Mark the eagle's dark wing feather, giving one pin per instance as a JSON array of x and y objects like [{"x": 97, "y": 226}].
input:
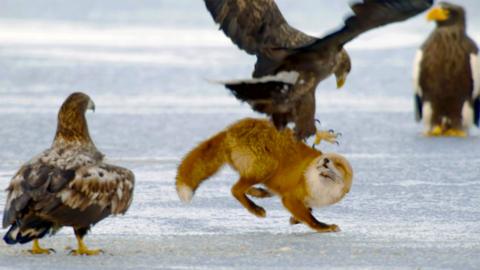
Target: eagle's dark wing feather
[
  {"x": 370, "y": 14},
  {"x": 102, "y": 184},
  {"x": 418, "y": 107},
  {"x": 476, "y": 111},
  {"x": 256, "y": 26},
  {"x": 474, "y": 55},
  {"x": 32, "y": 188},
  {"x": 31, "y": 195},
  {"x": 49, "y": 192}
]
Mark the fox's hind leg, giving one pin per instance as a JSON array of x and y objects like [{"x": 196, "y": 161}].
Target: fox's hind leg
[
  {"x": 294, "y": 221},
  {"x": 239, "y": 191},
  {"x": 259, "y": 192},
  {"x": 302, "y": 213}
]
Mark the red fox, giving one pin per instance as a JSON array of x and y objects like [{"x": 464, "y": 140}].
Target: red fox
[{"x": 304, "y": 178}]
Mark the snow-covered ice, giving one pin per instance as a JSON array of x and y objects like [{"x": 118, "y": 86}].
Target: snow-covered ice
[{"x": 414, "y": 203}]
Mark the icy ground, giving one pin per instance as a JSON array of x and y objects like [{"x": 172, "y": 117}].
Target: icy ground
[{"x": 414, "y": 202}]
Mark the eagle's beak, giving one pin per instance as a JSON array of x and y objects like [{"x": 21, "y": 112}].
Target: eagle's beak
[
  {"x": 341, "y": 80},
  {"x": 438, "y": 14},
  {"x": 91, "y": 105}
]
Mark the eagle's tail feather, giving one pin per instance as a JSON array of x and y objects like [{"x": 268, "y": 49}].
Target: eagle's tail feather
[
  {"x": 34, "y": 230},
  {"x": 264, "y": 88}
]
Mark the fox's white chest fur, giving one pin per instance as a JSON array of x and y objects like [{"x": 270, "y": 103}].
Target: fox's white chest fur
[{"x": 325, "y": 184}]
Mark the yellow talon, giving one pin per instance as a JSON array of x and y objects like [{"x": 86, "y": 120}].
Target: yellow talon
[
  {"x": 439, "y": 131},
  {"x": 456, "y": 133},
  {"x": 37, "y": 249},
  {"x": 436, "y": 131},
  {"x": 328, "y": 136},
  {"x": 83, "y": 249}
]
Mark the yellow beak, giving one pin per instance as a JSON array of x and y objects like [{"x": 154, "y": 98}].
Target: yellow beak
[
  {"x": 438, "y": 14},
  {"x": 341, "y": 81}
]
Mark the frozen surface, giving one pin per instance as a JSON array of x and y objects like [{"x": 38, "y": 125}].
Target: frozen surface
[{"x": 414, "y": 203}]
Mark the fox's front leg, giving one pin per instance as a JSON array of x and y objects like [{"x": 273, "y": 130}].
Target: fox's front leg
[
  {"x": 302, "y": 213},
  {"x": 239, "y": 191}
]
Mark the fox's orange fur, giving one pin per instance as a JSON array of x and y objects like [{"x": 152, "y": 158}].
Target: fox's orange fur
[{"x": 303, "y": 177}]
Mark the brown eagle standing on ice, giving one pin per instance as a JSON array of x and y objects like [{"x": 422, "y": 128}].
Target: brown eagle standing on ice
[
  {"x": 66, "y": 185},
  {"x": 447, "y": 75},
  {"x": 290, "y": 64}
]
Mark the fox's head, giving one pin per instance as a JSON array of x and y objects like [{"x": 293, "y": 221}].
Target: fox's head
[
  {"x": 340, "y": 166},
  {"x": 328, "y": 178}
]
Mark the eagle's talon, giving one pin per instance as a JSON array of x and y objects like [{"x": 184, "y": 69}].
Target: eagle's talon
[
  {"x": 43, "y": 251},
  {"x": 88, "y": 252},
  {"x": 329, "y": 136},
  {"x": 37, "y": 249},
  {"x": 83, "y": 249}
]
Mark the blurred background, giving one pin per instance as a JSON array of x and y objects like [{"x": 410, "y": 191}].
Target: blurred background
[{"x": 147, "y": 65}]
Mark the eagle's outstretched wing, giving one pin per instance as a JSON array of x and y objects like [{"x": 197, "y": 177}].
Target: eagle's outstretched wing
[
  {"x": 256, "y": 26},
  {"x": 370, "y": 14}
]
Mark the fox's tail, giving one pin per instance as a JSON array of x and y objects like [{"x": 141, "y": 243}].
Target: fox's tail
[{"x": 201, "y": 163}]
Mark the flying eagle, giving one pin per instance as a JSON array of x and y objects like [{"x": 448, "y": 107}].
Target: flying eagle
[
  {"x": 290, "y": 64},
  {"x": 447, "y": 76},
  {"x": 66, "y": 185}
]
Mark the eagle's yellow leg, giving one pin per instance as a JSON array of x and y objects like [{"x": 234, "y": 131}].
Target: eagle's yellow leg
[
  {"x": 328, "y": 136},
  {"x": 37, "y": 249},
  {"x": 456, "y": 133},
  {"x": 83, "y": 249},
  {"x": 439, "y": 131}
]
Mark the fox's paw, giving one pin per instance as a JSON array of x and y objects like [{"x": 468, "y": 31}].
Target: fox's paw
[
  {"x": 258, "y": 211},
  {"x": 294, "y": 221},
  {"x": 329, "y": 228},
  {"x": 329, "y": 136},
  {"x": 334, "y": 228}
]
